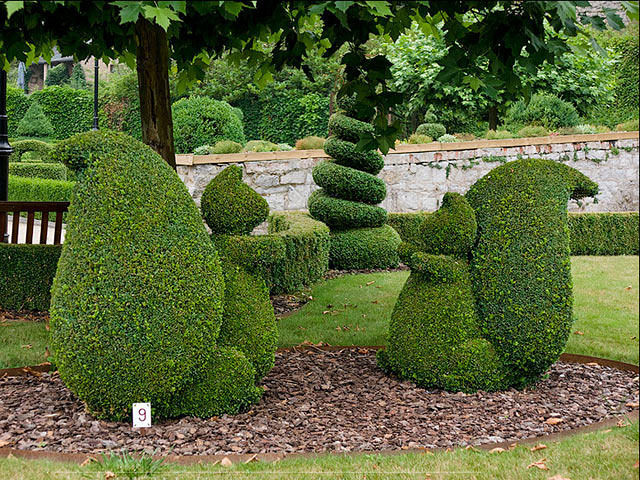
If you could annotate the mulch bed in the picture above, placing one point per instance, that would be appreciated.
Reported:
(318, 401)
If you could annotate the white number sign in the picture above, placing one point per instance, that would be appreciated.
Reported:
(141, 415)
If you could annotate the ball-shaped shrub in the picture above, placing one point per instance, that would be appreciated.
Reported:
(136, 304)
(225, 146)
(520, 267)
(542, 110)
(433, 130)
(204, 121)
(230, 206)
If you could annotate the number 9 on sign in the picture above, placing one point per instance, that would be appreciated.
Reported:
(141, 413)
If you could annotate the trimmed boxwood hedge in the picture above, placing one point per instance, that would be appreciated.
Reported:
(599, 233)
(27, 272)
(353, 248)
(341, 214)
(345, 182)
(24, 189)
(17, 105)
(51, 171)
(136, 304)
(344, 153)
(42, 149)
(69, 110)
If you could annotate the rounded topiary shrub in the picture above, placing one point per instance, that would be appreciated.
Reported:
(349, 194)
(546, 110)
(136, 304)
(433, 130)
(204, 121)
(41, 149)
(230, 206)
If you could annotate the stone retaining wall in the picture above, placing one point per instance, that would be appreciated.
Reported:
(417, 176)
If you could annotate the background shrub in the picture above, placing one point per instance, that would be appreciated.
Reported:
(35, 123)
(204, 121)
(27, 272)
(78, 79)
(498, 134)
(58, 75)
(70, 111)
(226, 146)
(17, 105)
(230, 206)
(416, 138)
(542, 110)
(310, 143)
(52, 171)
(433, 130)
(446, 138)
(260, 146)
(629, 126)
(532, 131)
(120, 105)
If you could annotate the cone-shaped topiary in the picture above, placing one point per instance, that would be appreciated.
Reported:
(488, 304)
(349, 194)
(35, 123)
(249, 323)
(136, 305)
(230, 206)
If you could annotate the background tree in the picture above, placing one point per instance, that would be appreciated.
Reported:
(78, 79)
(193, 32)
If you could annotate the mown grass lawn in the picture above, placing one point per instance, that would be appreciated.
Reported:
(353, 310)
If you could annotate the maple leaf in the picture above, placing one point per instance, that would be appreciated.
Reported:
(540, 446)
(539, 464)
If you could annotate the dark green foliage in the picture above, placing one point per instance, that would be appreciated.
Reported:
(248, 323)
(433, 130)
(230, 206)
(78, 79)
(225, 146)
(341, 214)
(136, 304)
(79, 151)
(307, 245)
(23, 189)
(42, 149)
(520, 266)
(70, 111)
(204, 121)
(346, 182)
(17, 105)
(358, 248)
(589, 233)
(120, 105)
(52, 171)
(227, 386)
(542, 110)
(58, 75)
(35, 123)
(345, 153)
(27, 272)
(603, 233)
(452, 229)
(347, 128)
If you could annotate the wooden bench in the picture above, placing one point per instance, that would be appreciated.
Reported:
(31, 208)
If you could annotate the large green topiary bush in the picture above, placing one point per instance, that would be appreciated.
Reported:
(35, 123)
(231, 207)
(488, 304)
(136, 304)
(349, 194)
(204, 121)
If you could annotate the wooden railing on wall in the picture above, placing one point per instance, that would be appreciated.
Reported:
(15, 209)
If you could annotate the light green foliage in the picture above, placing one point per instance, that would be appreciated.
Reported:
(35, 123)
(310, 143)
(27, 189)
(498, 134)
(41, 149)
(58, 75)
(17, 105)
(204, 121)
(136, 304)
(70, 111)
(357, 248)
(446, 138)
(52, 171)
(532, 131)
(230, 206)
(202, 150)
(120, 105)
(629, 126)
(542, 110)
(260, 146)
(78, 79)
(419, 139)
(225, 146)
(433, 130)
(284, 147)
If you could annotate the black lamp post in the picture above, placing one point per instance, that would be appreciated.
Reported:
(95, 94)
(5, 152)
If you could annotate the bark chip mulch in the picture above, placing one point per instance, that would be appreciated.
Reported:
(325, 401)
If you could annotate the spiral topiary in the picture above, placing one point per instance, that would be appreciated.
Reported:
(349, 194)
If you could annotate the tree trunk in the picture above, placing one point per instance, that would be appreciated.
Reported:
(152, 52)
(493, 117)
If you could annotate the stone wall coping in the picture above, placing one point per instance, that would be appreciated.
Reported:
(188, 159)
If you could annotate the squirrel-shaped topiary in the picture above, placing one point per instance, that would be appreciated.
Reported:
(232, 208)
(488, 304)
(349, 195)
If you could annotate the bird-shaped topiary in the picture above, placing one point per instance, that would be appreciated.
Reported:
(488, 304)
(349, 195)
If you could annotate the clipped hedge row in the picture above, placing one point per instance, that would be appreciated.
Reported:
(27, 272)
(69, 110)
(51, 171)
(600, 233)
(23, 189)
(42, 149)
